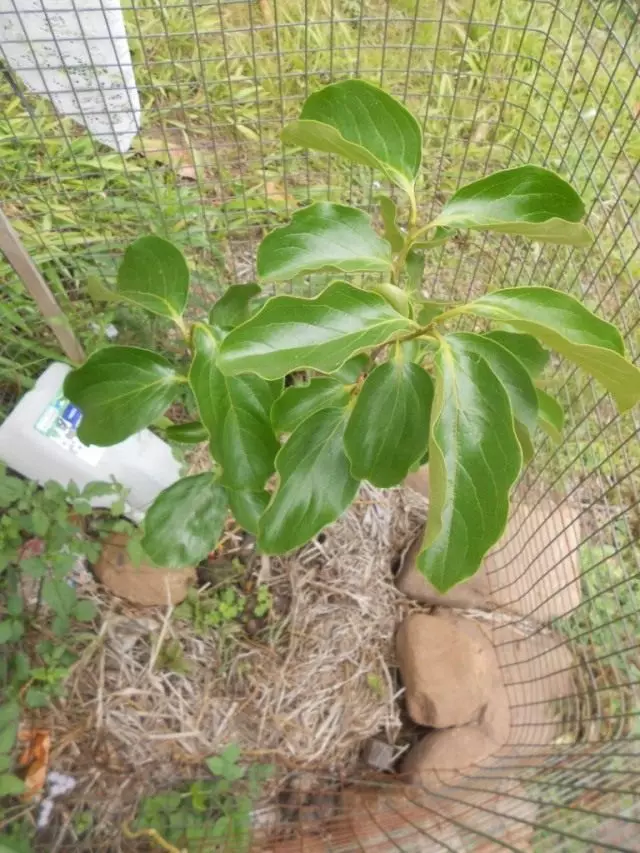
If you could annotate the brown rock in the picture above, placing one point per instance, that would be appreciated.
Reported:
(448, 668)
(533, 571)
(537, 672)
(144, 584)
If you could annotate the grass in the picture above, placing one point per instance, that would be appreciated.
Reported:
(493, 83)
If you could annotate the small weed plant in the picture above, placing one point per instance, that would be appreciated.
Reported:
(214, 812)
(392, 379)
(41, 540)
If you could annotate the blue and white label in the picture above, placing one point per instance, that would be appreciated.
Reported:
(59, 422)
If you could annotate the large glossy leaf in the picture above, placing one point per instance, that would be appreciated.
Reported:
(154, 275)
(247, 507)
(235, 411)
(185, 521)
(234, 306)
(362, 123)
(564, 324)
(291, 333)
(351, 370)
(392, 233)
(299, 401)
(550, 416)
(389, 427)
(474, 460)
(315, 483)
(526, 349)
(511, 372)
(120, 390)
(527, 200)
(323, 236)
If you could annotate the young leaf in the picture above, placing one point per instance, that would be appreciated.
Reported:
(564, 324)
(392, 233)
(527, 200)
(395, 296)
(291, 333)
(415, 269)
(440, 236)
(85, 611)
(10, 786)
(474, 460)
(154, 275)
(233, 307)
(389, 427)
(299, 401)
(235, 411)
(550, 416)
(315, 484)
(511, 372)
(190, 433)
(362, 123)
(247, 507)
(120, 390)
(185, 521)
(525, 348)
(323, 236)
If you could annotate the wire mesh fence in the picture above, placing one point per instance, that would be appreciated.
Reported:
(494, 84)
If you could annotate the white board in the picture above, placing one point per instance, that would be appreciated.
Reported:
(75, 52)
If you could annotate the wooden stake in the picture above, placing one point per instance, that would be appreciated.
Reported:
(13, 250)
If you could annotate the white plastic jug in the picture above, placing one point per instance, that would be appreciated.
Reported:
(39, 441)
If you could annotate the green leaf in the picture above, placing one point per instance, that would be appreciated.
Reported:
(233, 307)
(185, 521)
(120, 390)
(315, 484)
(154, 275)
(15, 604)
(429, 309)
(8, 736)
(362, 123)
(564, 324)
(6, 631)
(291, 333)
(526, 441)
(40, 522)
(526, 349)
(59, 595)
(11, 490)
(323, 236)
(191, 433)
(511, 372)
(10, 786)
(36, 698)
(352, 369)
(85, 611)
(389, 427)
(299, 401)
(395, 296)
(527, 200)
(550, 416)
(474, 460)
(415, 269)
(392, 233)
(440, 236)
(9, 713)
(247, 507)
(236, 412)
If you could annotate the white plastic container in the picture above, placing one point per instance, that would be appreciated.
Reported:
(39, 441)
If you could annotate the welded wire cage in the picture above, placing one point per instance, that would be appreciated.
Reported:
(493, 84)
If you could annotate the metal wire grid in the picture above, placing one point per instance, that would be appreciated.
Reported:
(223, 97)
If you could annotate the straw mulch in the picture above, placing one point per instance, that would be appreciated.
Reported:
(305, 696)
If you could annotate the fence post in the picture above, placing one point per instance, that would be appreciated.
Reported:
(16, 254)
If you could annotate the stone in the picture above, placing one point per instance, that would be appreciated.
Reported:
(537, 671)
(533, 571)
(144, 584)
(448, 668)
